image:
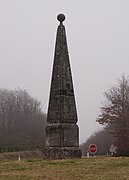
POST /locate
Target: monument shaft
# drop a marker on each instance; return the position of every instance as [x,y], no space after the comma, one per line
[62,133]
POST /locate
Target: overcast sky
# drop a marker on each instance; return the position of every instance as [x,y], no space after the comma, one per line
[98,42]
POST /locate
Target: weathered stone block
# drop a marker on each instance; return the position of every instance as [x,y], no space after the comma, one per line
[62,135]
[53,136]
[61,153]
[70,136]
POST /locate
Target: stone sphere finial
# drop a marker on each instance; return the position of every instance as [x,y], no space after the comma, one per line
[61,17]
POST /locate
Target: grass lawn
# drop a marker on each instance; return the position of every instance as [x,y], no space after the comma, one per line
[96,168]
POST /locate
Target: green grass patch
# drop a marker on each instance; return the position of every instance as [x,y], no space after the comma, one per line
[98,168]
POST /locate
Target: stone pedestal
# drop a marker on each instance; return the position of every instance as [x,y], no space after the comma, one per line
[62,153]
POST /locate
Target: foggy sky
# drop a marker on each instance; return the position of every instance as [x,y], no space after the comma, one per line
[98,42]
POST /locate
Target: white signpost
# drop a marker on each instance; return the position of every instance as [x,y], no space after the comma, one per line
[113,149]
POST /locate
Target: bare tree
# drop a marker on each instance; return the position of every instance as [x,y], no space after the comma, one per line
[22,121]
[115,113]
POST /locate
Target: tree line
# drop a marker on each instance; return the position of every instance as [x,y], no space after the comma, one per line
[22,122]
[103,140]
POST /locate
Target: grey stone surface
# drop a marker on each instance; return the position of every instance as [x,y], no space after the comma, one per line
[62,133]
[62,153]
[61,17]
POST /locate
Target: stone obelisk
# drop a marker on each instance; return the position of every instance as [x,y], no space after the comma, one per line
[62,133]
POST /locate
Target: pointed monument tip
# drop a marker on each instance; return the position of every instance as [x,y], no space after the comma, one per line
[61,17]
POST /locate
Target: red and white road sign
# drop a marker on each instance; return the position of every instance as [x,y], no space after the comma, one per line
[93,148]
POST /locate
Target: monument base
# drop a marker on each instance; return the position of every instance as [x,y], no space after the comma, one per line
[61,153]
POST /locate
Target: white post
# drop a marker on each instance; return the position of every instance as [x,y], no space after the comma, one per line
[19,157]
[88,154]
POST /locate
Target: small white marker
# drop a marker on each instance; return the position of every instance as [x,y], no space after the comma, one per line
[19,157]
